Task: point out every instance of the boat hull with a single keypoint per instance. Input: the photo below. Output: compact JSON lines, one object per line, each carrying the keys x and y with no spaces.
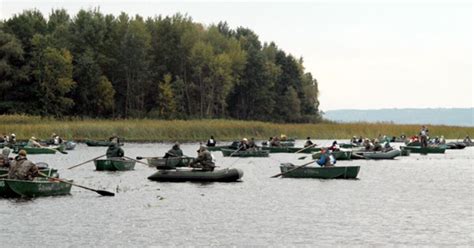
{"x":424,"y":150}
{"x":286,"y":149}
{"x":333,"y":172}
{"x":36,"y":188}
{"x":224,"y":175}
{"x":114,"y":164}
{"x":381,"y":155}
{"x":247,"y":153}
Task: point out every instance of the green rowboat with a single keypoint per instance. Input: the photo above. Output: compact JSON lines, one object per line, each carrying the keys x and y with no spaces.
{"x":169,"y":163}
{"x":114,"y":164}
{"x":333,"y":172}
{"x":196,"y":175}
{"x":338,"y":155}
{"x":246,"y":153}
{"x":285,"y":149}
{"x":48,"y":171}
{"x":38,"y":150}
{"x":99,"y":143}
{"x":38,"y":187}
{"x":423,"y":150}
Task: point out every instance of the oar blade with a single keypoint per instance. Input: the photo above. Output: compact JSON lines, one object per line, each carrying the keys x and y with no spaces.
{"x":139,"y":158}
{"x":104,"y":193}
{"x":301,"y":158}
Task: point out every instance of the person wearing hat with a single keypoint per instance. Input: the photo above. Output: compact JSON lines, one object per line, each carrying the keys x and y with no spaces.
{"x":377,"y":145}
{"x":175,"y":151}
{"x":334,"y":146}
{"x":12,"y":139}
{"x":244,"y":144}
{"x":308,"y":142}
{"x":21,"y":168}
{"x":33,"y":142}
{"x":114,"y":151}
{"x":204,"y":160}
{"x":4,"y":159}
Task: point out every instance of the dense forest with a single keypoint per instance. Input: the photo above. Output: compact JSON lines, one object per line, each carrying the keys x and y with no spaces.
{"x":171,"y":67}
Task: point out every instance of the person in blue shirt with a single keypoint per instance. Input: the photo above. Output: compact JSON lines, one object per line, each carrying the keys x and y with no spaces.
{"x":326,"y":159}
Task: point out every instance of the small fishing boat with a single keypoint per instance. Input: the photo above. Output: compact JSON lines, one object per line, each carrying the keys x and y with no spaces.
{"x":246,"y":153}
{"x":286,"y":149}
{"x":99,"y":143}
{"x":332,"y":172}
{"x":455,"y":145}
{"x":380,"y":154}
{"x":40,"y":186}
{"x":197,"y":175}
{"x":424,"y":150}
{"x":234,"y":145}
{"x":338,"y":155}
{"x":114,"y":164}
{"x":38,"y":150}
{"x":170,"y":162}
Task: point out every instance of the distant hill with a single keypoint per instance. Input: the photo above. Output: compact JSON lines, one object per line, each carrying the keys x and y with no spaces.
{"x":436,"y":116}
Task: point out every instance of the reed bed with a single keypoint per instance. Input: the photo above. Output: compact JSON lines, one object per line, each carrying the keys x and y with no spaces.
{"x":146,"y":130}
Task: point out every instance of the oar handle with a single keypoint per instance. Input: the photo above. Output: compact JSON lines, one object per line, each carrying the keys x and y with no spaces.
{"x":140,"y":162}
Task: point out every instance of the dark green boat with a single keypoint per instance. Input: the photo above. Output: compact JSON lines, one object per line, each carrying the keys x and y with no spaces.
{"x":169,"y":163}
{"x":338,"y":155}
{"x":246,"y":153}
{"x":197,"y":175}
{"x":38,"y":187}
{"x":38,"y":150}
{"x":333,"y":172}
{"x":234,"y":145}
{"x":114,"y":164}
{"x":99,"y":143}
{"x":286,"y":149}
{"x":423,"y":150}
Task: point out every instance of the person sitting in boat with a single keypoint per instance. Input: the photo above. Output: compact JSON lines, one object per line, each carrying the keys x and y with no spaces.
{"x":12,"y":140}
{"x":308,"y":142}
{"x":252,"y":144}
{"x":324,"y":159}
{"x":4,"y":159}
{"x":204,"y":160}
{"x":334,"y":146}
{"x":442,"y":141}
{"x":33,"y":142}
{"x":21,"y":168}
{"x":360,"y":140}
{"x":243,"y":145}
{"x":467,"y":140}
{"x":114,"y":150}
{"x":56,"y":140}
{"x":368,"y":145}
{"x":275,"y":142}
{"x":377,"y":146}
{"x":283,"y":137}
{"x":175,"y":151}
{"x":211,"y":141}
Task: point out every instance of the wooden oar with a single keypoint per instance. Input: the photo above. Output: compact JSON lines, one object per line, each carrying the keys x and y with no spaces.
{"x":98,"y":191}
{"x":236,"y":151}
{"x":85,"y":162}
{"x":55,"y":149}
{"x":140,"y":158}
{"x":283,"y":173}
{"x":140,"y":162}
{"x":303,"y":157}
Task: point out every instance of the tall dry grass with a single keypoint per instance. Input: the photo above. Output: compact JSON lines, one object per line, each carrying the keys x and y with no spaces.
{"x":200,"y":130}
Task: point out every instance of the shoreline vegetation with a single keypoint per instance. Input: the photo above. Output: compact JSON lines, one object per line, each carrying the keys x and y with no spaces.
{"x":149,"y":130}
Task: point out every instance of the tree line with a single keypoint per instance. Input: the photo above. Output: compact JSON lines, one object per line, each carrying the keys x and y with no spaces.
{"x":170,"y":67}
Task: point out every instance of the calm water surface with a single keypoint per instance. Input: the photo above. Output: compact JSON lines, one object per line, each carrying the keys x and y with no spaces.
{"x":410,"y":201}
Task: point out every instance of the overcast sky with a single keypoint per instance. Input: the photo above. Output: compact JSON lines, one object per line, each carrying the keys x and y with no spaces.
{"x":364,"y":54}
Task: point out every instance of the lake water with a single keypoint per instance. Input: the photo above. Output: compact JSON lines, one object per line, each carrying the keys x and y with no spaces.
{"x":410,"y":201}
